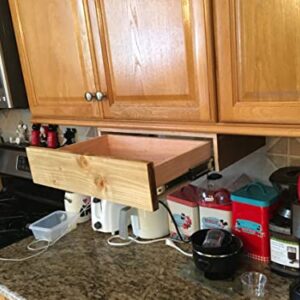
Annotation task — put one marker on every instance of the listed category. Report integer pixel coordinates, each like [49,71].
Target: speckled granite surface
[82,266]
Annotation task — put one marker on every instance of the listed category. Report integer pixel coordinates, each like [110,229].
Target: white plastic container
[54,225]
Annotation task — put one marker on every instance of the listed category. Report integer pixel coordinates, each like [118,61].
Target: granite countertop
[82,266]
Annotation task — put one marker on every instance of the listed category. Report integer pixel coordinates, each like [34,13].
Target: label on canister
[249,227]
[285,252]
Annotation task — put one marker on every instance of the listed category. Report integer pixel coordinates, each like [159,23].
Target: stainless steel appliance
[12,89]
[22,202]
[284,226]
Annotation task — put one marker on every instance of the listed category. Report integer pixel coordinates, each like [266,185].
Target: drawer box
[122,169]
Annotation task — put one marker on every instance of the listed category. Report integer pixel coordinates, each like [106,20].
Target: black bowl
[219,266]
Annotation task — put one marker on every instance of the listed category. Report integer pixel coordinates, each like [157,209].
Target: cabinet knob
[100,96]
[88,96]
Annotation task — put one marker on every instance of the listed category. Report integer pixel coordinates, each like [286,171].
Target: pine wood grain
[122,169]
[122,181]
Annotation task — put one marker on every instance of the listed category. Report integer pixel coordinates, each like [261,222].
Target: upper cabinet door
[158,59]
[56,55]
[258,59]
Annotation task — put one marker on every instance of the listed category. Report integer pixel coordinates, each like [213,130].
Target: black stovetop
[21,203]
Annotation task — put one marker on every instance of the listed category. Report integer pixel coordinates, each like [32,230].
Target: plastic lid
[227,207]
[187,195]
[256,194]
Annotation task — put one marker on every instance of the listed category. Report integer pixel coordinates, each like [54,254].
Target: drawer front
[123,181]
[122,169]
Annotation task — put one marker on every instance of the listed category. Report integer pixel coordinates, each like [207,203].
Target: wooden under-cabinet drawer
[123,169]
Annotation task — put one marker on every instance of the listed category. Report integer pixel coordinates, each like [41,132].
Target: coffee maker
[285,225]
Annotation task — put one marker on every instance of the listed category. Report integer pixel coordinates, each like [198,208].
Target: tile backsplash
[9,119]
[283,151]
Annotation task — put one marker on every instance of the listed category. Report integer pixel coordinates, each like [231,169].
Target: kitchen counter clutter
[83,266]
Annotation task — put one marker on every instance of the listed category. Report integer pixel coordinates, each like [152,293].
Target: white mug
[77,203]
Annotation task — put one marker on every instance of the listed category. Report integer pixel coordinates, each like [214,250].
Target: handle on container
[258,185]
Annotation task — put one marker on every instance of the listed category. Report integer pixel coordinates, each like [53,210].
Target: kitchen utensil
[253,284]
[52,137]
[145,225]
[35,135]
[105,215]
[150,225]
[252,207]
[184,207]
[285,225]
[285,181]
[216,266]
[77,203]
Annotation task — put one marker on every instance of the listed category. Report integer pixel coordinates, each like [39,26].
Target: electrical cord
[174,222]
[167,241]
[44,248]
[171,244]
[131,240]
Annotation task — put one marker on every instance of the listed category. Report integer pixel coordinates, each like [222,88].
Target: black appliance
[216,252]
[284,242]
[22,202]
[12,88]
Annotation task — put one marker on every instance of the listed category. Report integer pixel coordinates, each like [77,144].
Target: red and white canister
[184,207]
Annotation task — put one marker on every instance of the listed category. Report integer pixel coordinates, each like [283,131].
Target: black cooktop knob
[96,200]
[98,225]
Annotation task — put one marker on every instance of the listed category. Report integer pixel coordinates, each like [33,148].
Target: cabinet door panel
[55,50]
[258,53]
[159,61]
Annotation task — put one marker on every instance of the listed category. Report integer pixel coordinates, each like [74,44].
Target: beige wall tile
[278,161]
[294,146]
[10,118]
[277,145]
[294,161]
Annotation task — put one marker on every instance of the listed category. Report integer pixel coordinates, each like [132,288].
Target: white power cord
[43,248]
[131,240]
[171,243]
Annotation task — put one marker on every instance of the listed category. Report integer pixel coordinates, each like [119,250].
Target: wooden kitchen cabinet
[57,58]
[258,60]
[158,60]
[153,59]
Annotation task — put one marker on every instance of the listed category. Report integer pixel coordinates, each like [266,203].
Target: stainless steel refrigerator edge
[12,88]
